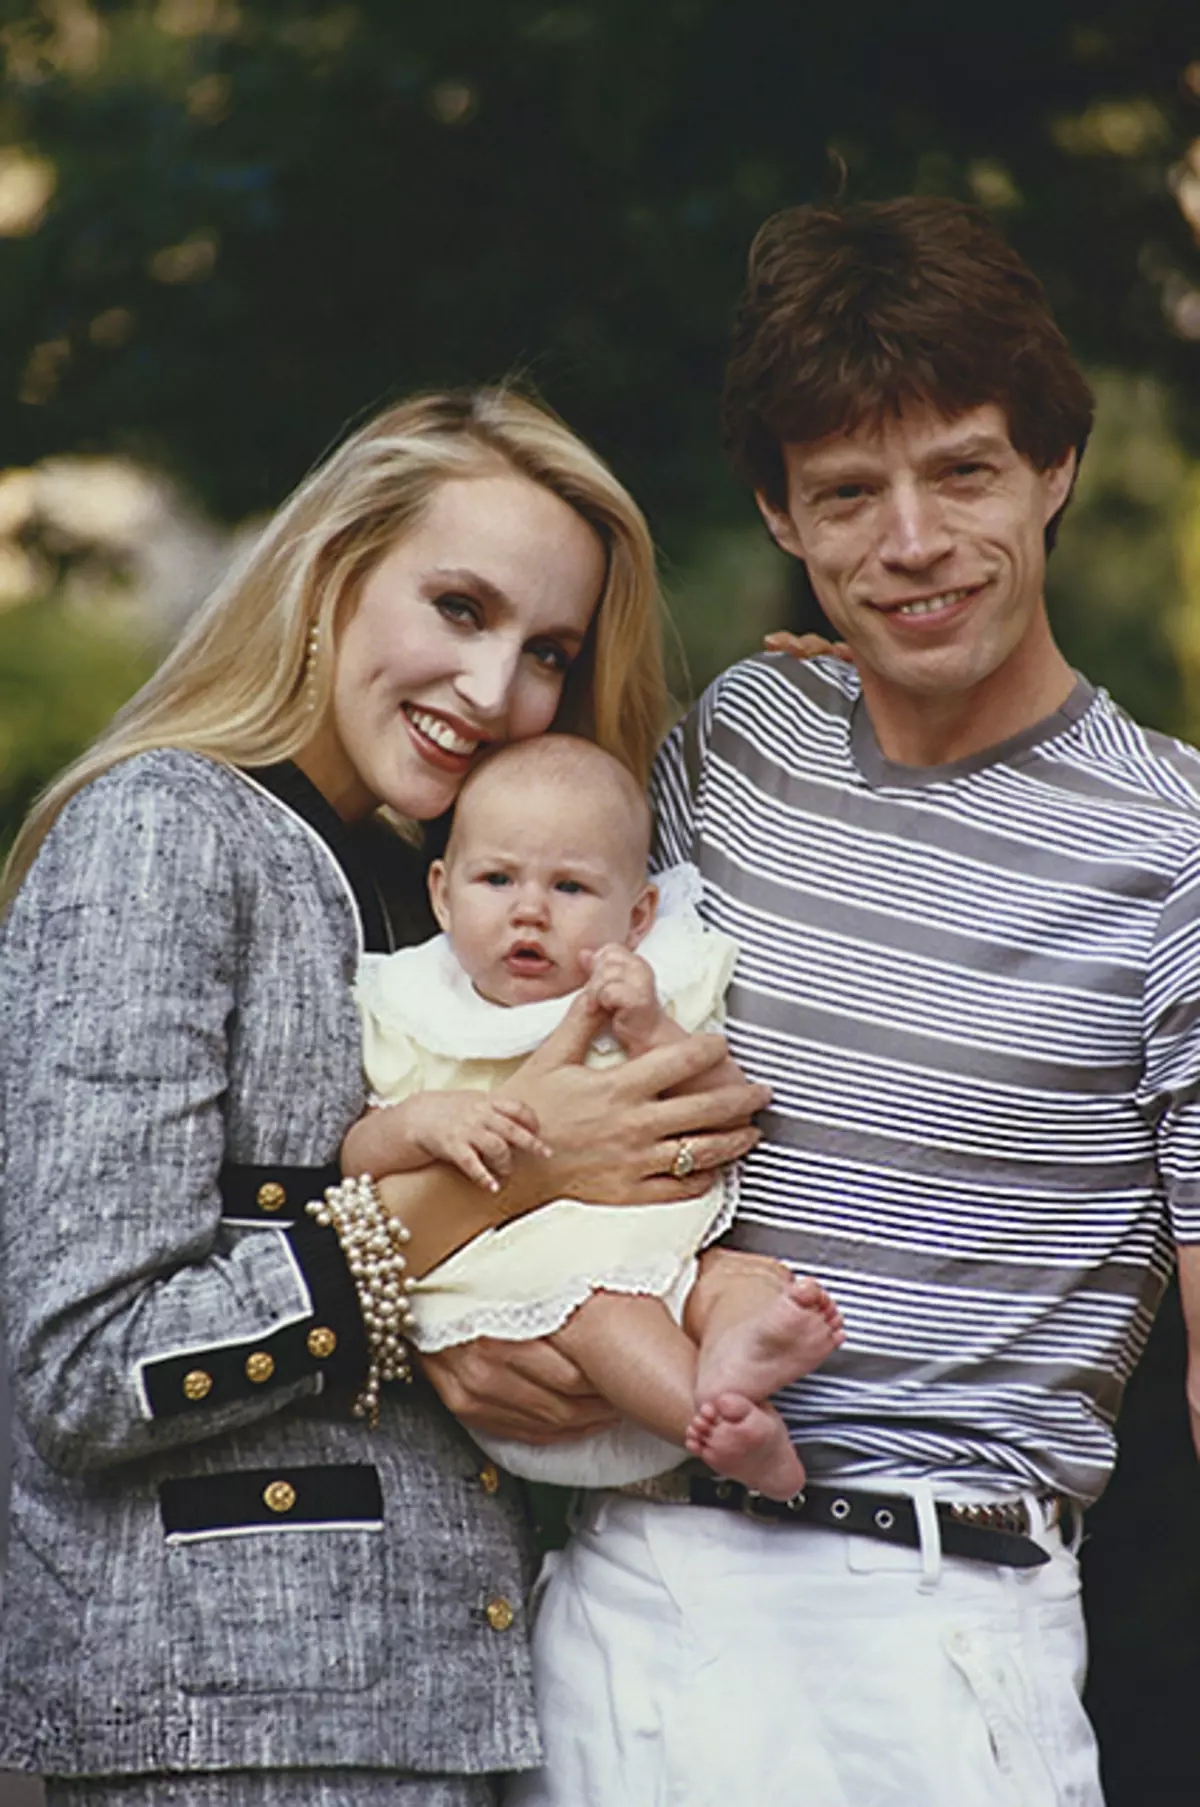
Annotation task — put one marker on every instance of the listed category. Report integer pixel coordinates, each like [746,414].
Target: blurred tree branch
[268,215]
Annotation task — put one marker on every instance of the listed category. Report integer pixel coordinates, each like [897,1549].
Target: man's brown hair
[851,314]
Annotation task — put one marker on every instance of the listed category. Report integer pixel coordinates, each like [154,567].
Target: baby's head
[546,861]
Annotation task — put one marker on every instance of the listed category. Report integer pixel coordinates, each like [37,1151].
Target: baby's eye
[496,879]
[571,886]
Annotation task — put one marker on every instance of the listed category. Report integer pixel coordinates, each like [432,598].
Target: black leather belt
[993,1531]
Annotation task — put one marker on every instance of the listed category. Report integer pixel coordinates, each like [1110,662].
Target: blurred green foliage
[62,674]
[1115,583]
[271,214]
[259,218]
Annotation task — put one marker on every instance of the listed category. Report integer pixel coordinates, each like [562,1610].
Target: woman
[223,1587]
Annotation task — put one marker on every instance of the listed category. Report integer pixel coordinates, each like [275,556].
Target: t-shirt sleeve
[675,784]
[1170,1091]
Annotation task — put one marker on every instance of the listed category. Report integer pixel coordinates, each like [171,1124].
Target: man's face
[923,542]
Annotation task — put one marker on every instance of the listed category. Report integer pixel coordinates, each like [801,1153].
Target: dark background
[261,218]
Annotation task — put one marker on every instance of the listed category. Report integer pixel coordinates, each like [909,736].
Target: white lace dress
[425,1028]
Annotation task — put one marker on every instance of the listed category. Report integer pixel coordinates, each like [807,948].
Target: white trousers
[689,1657]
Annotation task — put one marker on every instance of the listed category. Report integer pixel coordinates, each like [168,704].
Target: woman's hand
[616,1134]
[530,1391]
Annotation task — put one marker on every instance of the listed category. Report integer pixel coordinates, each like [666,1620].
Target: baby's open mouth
[527,957]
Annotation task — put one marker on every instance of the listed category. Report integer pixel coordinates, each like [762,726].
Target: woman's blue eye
[551,656]
[457,608]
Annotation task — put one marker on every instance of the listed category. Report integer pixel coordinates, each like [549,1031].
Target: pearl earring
[312,651]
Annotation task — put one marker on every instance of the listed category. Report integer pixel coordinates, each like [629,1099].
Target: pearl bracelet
[371,1240]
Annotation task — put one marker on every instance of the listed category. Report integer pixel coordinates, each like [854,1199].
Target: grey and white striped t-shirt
[975,990]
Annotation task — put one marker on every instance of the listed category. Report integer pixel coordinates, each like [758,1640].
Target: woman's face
[462,636]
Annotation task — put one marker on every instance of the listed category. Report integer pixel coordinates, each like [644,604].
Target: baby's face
[533,881]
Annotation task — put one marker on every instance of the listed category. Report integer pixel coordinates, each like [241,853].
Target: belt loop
[930,1533]
[1061,1513]
[1078,1532]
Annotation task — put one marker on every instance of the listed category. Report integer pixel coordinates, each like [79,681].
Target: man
[965,888]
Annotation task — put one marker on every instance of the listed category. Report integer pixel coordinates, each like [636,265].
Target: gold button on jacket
[271,1196]
[197,1384]
[321,1342]
[260,1366]
[500,1614]
[280,1496]
[489,1478]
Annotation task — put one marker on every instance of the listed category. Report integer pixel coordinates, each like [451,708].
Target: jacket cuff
[336,1310]
[328,1341]
[272,1195]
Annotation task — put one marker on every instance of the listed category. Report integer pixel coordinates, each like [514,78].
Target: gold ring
[685,1159]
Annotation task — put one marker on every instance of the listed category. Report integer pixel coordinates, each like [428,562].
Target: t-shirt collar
[881,772]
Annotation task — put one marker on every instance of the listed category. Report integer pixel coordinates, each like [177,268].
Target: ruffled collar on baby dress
[429,997]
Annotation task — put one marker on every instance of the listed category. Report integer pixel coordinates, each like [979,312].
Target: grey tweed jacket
[212,1563]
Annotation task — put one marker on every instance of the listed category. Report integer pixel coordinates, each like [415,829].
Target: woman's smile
[441,741]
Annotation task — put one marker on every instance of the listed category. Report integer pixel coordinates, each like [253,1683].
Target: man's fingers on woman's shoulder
[807,646]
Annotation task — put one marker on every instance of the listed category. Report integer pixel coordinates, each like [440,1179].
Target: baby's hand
[475,1132]
[622,985]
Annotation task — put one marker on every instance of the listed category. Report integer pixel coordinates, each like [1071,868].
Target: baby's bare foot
[790,1336]
[749,1442]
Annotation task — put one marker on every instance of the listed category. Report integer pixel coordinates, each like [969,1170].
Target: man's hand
[807,646]
[529,1391]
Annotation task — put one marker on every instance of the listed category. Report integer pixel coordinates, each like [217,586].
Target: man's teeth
[930,604]
[441,733]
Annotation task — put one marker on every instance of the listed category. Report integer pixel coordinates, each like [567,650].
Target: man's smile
[921,607]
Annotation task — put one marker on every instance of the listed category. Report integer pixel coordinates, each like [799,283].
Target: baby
[543,893]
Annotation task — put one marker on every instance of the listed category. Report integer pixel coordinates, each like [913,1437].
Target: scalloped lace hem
[521,1322]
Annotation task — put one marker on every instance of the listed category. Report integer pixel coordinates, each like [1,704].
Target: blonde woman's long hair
[239,686]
